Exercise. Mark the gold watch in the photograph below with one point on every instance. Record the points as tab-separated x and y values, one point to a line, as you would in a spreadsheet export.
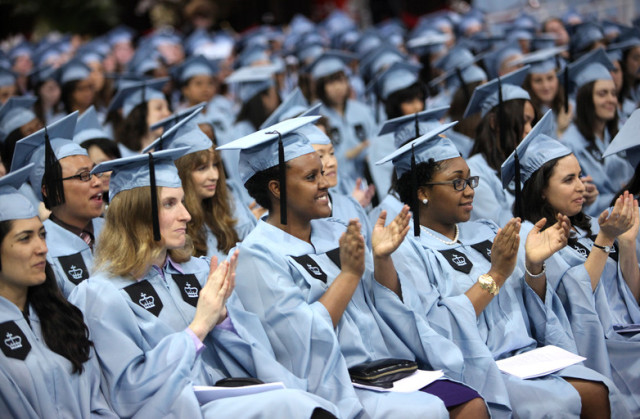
488	284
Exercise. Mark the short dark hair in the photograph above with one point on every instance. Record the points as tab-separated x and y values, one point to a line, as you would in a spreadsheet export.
320	86
258	186
459	103
586	114
534	207
108	147
396	99
66	95
133	128
253	111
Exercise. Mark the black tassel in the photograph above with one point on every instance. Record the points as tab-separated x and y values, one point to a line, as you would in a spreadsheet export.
52	178
414	201
417	126
463	85
283	181
377	106
518	188
154	199
566	89
501	118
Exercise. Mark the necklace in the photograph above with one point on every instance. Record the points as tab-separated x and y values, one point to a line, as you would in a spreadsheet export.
449	243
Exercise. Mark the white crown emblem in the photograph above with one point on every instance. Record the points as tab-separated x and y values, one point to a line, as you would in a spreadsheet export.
75	272
192	292
582	251
459	260
13	342
314	270
146	302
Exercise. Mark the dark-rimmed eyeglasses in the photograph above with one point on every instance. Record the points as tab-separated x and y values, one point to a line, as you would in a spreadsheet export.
459	184
83	176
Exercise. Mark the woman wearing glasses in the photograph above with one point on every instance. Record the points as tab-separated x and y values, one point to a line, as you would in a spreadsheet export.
62	180
450	271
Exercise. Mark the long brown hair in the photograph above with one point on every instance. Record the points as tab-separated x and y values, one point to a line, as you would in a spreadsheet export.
214	212
126	246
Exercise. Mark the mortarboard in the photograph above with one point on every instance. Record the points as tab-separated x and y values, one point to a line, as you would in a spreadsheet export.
501	89
537	148
252	80
590	67
194	66
173	119
541	61
585	34
272	146
494	59
152	169
410	127
7	77
185	133
14	205
294	104
89	127
378	60
73	70
16	112
627	140
398	76
132	94
424	148
330	62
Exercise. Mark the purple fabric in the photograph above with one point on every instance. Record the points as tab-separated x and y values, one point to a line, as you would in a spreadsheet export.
451	393
226	324
196	341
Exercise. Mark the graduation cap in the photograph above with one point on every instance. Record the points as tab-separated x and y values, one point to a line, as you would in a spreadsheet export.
496	91
252	54
133	94
628	39
398	76
14	205
152	169
543	41
379	59
145	60
468	21
368	41
120	34
338	22
89	127
16	112
460	77
252	80
590	67
541	61
194	66
410	127
7	77
537	148
272	146
493	60
585	34
45	148
73	70
429	146
627	140
330	62
294	104
173	119
428	42
185	133
22	48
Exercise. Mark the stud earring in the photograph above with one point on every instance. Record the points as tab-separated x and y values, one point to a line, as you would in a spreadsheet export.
424	201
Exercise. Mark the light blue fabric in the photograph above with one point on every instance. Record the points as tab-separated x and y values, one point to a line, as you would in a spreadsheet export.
503	329
285	294
42	384
14	205
592	314
380	146
345	208
348	131
63	247
609	174
149	362
491	201
392	204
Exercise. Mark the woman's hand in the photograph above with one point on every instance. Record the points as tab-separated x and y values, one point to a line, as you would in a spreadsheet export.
539	246
630	235
352	250
504	251
621	220
590	190
385	240
564	119
211	308
363	196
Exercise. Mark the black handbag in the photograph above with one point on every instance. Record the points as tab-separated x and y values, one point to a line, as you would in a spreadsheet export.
383	372
238	382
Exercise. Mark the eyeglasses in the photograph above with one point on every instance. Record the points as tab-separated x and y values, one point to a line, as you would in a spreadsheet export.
459	184
83	176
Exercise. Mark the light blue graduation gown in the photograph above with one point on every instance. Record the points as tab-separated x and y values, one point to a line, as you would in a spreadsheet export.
282	278
149	361
345	208
70	257
392	204
592	314
503	329
609	174
463	143
379	147
491	201
347	132
37	382
230	158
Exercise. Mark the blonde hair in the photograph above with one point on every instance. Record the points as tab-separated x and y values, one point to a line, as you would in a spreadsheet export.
215	212
126	246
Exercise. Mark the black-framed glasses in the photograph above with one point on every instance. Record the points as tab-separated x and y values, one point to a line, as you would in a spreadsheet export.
459	184
83	176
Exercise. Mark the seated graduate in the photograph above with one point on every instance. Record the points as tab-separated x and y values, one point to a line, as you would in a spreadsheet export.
596	275
450	274
595	124
309	280
404	129
507	116
17	120
48	366
162	321
216	224
61	178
